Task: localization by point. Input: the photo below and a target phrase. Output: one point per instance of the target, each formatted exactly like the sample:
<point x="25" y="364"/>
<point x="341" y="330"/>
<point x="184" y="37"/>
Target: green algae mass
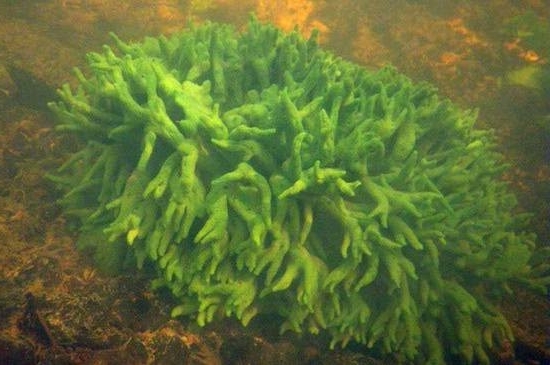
<point x="257" y="173"/>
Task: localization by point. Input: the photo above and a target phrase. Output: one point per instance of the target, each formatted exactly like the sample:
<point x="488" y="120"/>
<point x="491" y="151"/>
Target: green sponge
<point x="257" y="173"/>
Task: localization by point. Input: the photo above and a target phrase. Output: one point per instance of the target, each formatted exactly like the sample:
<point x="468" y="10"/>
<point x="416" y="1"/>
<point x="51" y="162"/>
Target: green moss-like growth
<point x="257" y="173"/>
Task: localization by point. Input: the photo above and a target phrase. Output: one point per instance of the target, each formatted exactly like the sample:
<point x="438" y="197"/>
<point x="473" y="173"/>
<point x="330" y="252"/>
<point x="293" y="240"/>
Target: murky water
<point x="492" y="56"/>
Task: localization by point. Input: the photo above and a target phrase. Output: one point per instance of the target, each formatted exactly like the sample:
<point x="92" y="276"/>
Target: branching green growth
<point x="257" y="173"/>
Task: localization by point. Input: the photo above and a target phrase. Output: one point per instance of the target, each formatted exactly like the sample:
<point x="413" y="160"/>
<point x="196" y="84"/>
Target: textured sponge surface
<point x="257" y="173"/>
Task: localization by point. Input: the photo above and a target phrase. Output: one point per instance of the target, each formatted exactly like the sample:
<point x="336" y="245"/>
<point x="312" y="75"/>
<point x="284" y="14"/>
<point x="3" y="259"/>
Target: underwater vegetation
<point x="533" y="34"/>
<point x="532" y="31"/>
<point x="255" y="173"/>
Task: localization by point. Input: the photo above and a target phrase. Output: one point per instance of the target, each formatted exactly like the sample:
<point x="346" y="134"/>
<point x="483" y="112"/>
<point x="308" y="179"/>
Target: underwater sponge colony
<point x="257" y="173"/>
